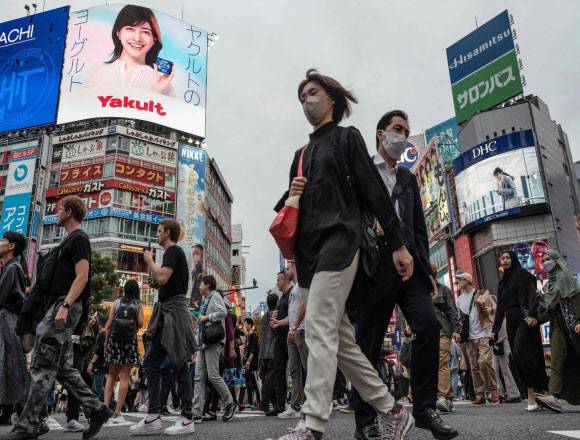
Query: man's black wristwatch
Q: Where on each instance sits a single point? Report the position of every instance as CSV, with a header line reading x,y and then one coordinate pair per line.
x,y
65,305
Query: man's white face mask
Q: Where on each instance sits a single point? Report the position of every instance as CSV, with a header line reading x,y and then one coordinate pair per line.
x,y
394,144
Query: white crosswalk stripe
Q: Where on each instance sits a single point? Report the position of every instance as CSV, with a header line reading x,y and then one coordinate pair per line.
x,y
570,434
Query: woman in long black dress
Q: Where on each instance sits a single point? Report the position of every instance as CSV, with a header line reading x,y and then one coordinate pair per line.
x,y
518,304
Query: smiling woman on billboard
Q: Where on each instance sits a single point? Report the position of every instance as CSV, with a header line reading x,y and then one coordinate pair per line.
x,y
134,61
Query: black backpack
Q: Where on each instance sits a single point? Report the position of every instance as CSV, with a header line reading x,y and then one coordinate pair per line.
x,y
124,326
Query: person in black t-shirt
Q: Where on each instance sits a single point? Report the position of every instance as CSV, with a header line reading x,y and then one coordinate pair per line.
x,y
53,357
279,323
252,353
171,330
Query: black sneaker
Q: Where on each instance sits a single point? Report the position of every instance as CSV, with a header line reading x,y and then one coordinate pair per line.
x,y
98,418
230,411
42,428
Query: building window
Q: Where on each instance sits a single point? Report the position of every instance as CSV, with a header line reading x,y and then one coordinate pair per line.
x,y
109,169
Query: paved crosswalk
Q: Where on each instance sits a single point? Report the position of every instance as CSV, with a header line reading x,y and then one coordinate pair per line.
x,y
569,434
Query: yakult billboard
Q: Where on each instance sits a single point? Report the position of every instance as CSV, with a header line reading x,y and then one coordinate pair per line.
x,y
133,62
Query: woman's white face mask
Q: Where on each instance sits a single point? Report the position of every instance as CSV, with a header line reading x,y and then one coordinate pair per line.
x,y
394,144
315,108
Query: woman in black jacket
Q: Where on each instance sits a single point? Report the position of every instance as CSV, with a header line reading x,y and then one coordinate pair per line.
x,y
339,178
518,304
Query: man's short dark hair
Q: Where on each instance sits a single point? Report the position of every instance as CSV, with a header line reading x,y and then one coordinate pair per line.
x,y
272,301
497,171
335,90
173,227
76,206
198,246
386,120
249,321
209,281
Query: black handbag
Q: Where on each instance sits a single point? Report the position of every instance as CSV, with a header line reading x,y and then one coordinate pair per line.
x,y
498,348
212,333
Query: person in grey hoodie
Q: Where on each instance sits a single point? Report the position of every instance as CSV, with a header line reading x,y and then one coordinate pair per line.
x,y
213,309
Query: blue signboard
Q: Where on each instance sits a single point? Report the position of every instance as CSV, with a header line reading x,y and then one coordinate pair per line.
x,y
446,133
31,56
485,44
493,147
18,192
112,212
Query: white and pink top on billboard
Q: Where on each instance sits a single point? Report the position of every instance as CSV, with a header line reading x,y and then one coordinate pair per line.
x,y
136,63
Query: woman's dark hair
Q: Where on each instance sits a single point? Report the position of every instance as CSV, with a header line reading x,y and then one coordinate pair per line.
x,y
131,290
210,282
132,15
499,170
386,119
249,321
515,260
335,90
19,242
272,301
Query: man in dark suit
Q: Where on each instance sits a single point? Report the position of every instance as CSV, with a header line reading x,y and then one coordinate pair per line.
x,y
413,296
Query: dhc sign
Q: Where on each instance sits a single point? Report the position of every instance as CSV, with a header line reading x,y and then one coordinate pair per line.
x,y
490,148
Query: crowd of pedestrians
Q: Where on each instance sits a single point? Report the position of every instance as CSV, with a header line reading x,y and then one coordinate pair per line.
x,y
361,252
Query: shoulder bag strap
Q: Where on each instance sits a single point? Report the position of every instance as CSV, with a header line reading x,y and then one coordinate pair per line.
x,y
299,173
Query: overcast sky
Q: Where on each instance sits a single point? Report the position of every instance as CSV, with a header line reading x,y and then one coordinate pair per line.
x,y
392,55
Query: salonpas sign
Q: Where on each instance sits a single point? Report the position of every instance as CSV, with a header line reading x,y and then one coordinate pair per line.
x,y
483,68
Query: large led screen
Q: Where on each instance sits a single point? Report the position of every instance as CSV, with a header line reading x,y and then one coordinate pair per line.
x,y
31,51
498,178
136,63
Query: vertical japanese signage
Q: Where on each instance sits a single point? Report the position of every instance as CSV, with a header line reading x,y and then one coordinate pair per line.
x,y
433,189
31,52
191,192
16,207
483,68
168,84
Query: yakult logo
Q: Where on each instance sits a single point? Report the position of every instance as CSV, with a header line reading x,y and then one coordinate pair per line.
x,y
126,102
484,149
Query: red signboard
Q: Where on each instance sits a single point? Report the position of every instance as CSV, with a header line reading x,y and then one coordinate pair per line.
x,y
23,154
81,173
141,174
93,187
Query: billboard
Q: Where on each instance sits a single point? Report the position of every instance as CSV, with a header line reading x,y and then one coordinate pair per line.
x,y
415,147
483,68
111,212
191,193
433,190
482,196
136,63
446,137
18,194
31,53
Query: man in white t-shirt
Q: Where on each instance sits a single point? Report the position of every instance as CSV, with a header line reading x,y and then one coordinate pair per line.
x,y
476,309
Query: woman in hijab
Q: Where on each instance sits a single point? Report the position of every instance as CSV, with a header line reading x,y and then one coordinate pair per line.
x,y
561,295
518,304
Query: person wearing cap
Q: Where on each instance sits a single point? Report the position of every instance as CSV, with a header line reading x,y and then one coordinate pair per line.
x,y
412,295
477,311
96,366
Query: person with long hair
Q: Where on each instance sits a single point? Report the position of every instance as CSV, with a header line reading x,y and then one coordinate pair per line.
x,y
121,352
13,282
339,178
506,188
562,298
137,42
518,304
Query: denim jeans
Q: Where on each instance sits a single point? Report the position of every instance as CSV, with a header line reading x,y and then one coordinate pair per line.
x,y
98,387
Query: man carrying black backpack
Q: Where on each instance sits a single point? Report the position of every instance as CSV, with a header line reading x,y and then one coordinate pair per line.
x,y
68,288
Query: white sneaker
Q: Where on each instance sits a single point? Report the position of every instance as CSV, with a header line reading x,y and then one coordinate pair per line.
x,y
533,407
147,426
289,413
74,426
52,423
182,426
143,408
116,419
14,419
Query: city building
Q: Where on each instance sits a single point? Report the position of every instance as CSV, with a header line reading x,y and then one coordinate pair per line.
x,y
516,146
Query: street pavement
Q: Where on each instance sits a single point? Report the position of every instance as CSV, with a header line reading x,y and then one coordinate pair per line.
x,y
503,422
